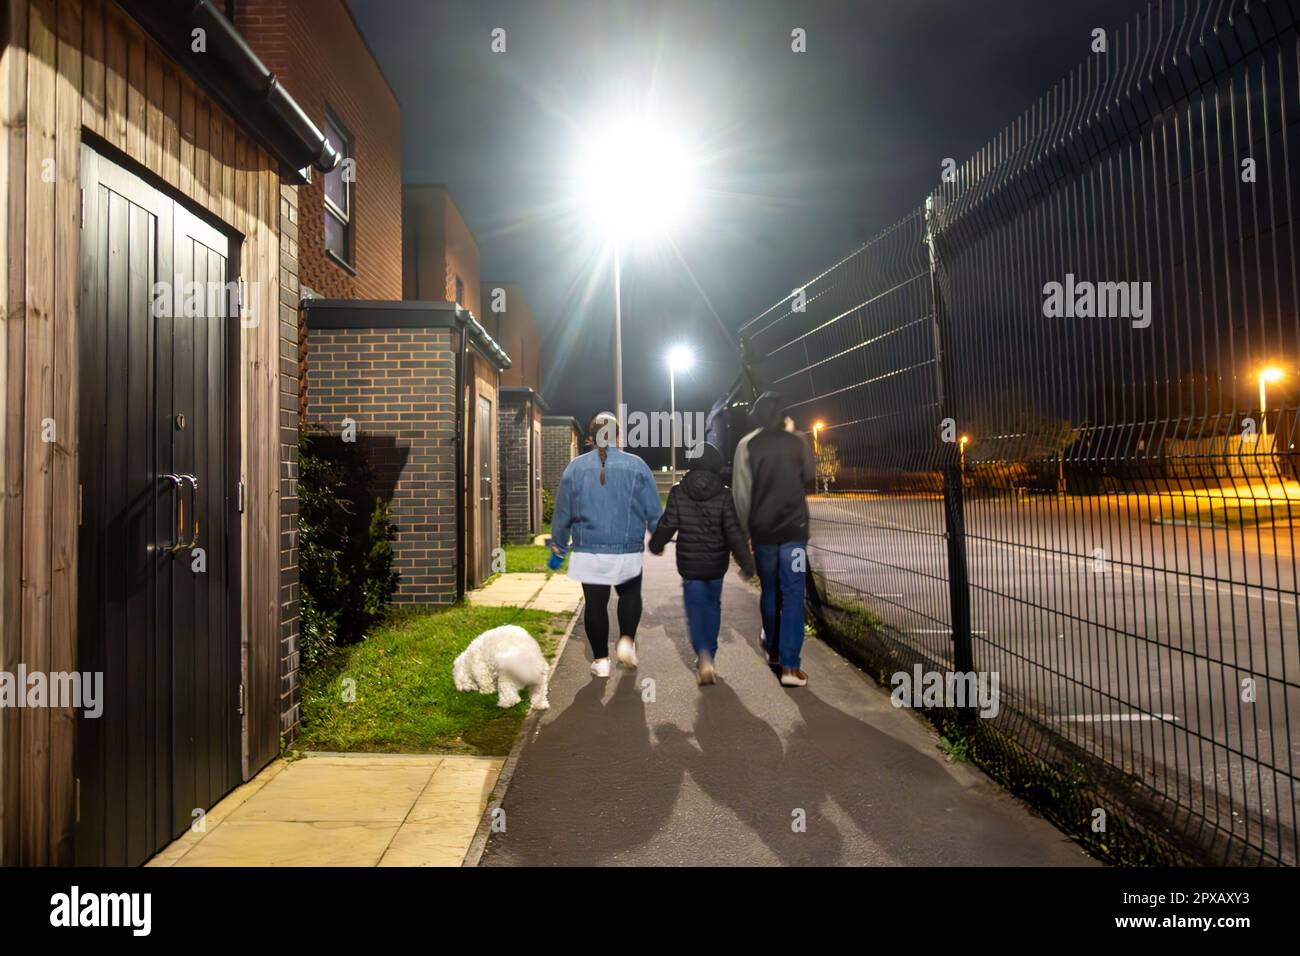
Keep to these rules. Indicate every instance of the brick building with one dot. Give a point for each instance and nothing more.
(520, 450)
(510, 319)
(440, 259)
(561, 443)
(507, 315)
(395, 369)
(349, 220)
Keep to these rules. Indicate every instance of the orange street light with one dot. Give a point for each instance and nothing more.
(817, 428)
(1267, 374)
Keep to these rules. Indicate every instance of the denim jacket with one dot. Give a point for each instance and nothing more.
(605, 519)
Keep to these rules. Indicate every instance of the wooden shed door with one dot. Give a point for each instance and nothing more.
(157, 579)
(484, 432)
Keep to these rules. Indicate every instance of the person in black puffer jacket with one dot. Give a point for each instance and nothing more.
(702, 514)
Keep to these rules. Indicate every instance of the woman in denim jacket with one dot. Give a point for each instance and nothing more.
(606, 503)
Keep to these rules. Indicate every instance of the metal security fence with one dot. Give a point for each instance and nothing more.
(1058, 410)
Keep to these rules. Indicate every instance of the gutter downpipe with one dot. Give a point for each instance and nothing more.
(462, 476)
(254, 75)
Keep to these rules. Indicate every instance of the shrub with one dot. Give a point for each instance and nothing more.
(345, 551)
(548, 506)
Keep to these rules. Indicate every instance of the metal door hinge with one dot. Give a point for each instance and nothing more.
(241, 700)
(239, 495)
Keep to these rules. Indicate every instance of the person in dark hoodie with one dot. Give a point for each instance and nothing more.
(773, 466)
(700, 511)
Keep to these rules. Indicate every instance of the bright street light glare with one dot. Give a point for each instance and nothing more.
(635, 179)
(1271, 374)
(680, 358)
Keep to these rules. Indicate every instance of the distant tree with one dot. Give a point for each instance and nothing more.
(828, 465)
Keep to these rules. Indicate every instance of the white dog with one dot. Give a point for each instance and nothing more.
(502, 661)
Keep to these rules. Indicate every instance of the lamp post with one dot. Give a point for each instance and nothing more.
(817, 429)
(1266, 375)
(965, 440)
(634, 182)
(679, 357)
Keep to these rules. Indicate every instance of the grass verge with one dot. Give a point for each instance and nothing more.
(529, 559)
(405, 701)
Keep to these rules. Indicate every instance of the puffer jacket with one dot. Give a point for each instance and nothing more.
(701, 513)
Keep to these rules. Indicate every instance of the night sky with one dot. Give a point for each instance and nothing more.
(801, 156)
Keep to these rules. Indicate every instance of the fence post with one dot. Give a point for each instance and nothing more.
(954, 512)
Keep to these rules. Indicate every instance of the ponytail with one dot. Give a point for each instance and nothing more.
(598, 431)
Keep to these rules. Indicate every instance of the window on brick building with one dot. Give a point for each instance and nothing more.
(339, 211)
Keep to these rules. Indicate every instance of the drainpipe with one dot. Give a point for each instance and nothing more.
(462, 476)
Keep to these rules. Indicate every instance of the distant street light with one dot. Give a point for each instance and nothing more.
(961, 444)
(635, 179)
(1268, 374)
(679, 357)
(817, 428)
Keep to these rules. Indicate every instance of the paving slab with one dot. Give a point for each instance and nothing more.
(346, 810)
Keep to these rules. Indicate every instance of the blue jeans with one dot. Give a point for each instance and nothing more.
(778, 572)
(703, 600)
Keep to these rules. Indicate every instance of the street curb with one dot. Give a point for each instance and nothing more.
(484, 830)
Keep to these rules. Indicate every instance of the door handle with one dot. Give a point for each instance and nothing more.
(178, 512)
(194, 501)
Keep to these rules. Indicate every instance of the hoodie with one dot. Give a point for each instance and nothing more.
(701, 513)
(773, 466)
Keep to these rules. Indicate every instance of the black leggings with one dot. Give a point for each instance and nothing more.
(596, 614)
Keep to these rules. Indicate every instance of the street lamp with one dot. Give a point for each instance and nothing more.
(679, 357)
(1266, 375)
(961, 444)
(817, 428)
(635, 182)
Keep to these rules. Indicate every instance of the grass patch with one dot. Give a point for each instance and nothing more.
(529, 558)
(405, 699)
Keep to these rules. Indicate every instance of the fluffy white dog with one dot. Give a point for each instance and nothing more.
(502, 661)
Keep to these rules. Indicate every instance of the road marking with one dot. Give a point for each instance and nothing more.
(1117, 718)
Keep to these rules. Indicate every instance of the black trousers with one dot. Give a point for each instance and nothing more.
(596, 614)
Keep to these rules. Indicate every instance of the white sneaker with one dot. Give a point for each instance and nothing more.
(627, 652)
(600, 668)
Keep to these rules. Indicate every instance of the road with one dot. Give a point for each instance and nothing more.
(1127, 636)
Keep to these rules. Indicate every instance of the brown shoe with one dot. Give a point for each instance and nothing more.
(793, 677)
(704, 672)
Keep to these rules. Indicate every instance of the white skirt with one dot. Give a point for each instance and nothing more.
(604, 568)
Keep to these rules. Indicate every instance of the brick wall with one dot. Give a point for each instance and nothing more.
(514, 426)
(437, 248)
(398, 385)
(289, 396)
(316, 50)
(559, 446)
(516, 330)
